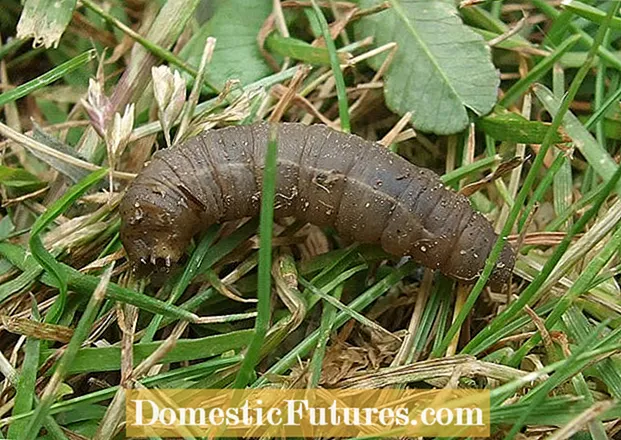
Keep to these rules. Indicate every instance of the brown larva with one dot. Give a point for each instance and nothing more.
(363, 190)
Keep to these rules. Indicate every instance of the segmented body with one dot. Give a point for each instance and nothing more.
(364, 191)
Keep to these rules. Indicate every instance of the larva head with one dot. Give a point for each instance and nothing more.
(156, 228)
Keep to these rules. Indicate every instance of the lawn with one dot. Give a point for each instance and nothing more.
(515, 104)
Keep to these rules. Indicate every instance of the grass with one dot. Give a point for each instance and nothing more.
(261, 303)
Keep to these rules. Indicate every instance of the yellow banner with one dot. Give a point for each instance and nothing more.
(307, 413)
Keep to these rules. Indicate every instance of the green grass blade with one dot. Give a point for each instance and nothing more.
(541, 189)
(595, 154)
(165, 379)
(325, 330)
(531, 292)
(601, 111)
(7, 48)
(362, 301)
(578, 288)
(45, 258)
(191, 269)
(85, 284)
(537, 396)
(334, 302)
(79, 336)
(579, 328)
(335, 64)
(451, 178)
(544, 66)
(98, 359)
(25, 390)
(591, 13)
(300, 50)
(264, 287)
(563, 182)
(513, 214)
(47, 78)
(585, 38)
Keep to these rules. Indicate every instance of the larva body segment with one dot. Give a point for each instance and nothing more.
(366, 192)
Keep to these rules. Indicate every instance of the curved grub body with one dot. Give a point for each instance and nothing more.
(366, 192)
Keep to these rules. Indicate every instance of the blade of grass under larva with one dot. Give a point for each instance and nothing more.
(438, 301)
(596, 264)
(228, 244)
(79, 336)
(362, 301)
(25, 389)
(333, 300)
(567, 369)
(264, 286)
(338, 279)
(191, 268)
(85, 284)
(325, 329)
(45, 258)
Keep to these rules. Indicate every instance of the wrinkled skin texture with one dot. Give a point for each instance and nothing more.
(363, 190)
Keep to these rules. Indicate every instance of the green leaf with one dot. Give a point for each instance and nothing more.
(19, 178)
(45, 21)
(503, 125)
(441, 68)
(235, 26)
